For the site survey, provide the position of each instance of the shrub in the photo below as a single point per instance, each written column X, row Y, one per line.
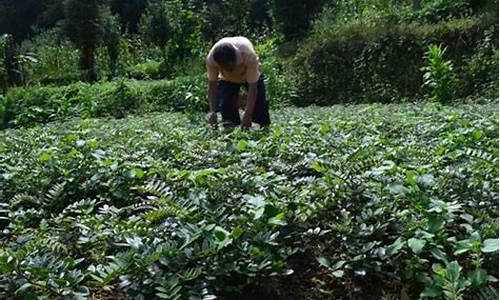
column 479, row 74
column 280, row 89
column 26, row 106
column 175, row 27
column 147, row 70
column 377, row 62
column 439, row 77
column 3, row 69
column 55, row 59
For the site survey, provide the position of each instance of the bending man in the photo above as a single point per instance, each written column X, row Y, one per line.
column 232, row 63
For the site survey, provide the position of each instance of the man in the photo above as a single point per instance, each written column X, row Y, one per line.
column 232, row 63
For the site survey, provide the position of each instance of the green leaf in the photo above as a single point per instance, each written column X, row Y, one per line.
column 44, row 157
column 278, row 220
column 139, row 173
column 222, row 237
column 338, row 273
column 397, row 189
column 237, row 232
column 478, row 277
column 435, row 223
column 462, row 247
column 453, row 271
column 242, row 145
column 439, row 254
column 416, row 245
column 323, row 261
column 318, row 167
column 72, row 153
column 490, row 245
column 410, row 178
column 220, row 233
column 339, row 264
column 425, row 180
column 477, row 134
column 430, row 292
column 395, row 247
column 23, row 288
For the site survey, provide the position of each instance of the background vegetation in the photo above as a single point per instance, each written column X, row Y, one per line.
column 109, row 191
column 314, row 52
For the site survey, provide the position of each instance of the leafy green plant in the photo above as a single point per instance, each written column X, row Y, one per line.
column 3, row 69
column 160, row 206
column 439, row 76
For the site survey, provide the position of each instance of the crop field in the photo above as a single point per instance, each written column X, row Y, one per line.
column 345, row 202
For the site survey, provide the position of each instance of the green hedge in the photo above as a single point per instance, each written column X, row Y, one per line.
column 363, row 62
column 25, row 106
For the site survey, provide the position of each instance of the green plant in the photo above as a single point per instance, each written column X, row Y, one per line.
column 378, row 62
column 3, row 69
column 82, row 27
column 161, row 205
column 439, row 76
column 478, row 74
column 147, row 70
column 175, row 27
column 55, row 59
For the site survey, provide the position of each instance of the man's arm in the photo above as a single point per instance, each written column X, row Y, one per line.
column 251, row 99
column 252, row 76
column 212, row 95
column 212, row 72
column 212, row 102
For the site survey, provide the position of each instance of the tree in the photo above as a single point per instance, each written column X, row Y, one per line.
column 175, row 27
column 17, row 17
column 226, row 18
column 82, row 27
column 293, row 17
column 259, row 14
column 155, row 24
column 111, row 37
column 416, row 4
column 130, row 12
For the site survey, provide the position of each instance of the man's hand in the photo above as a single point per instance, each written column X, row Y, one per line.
column 247, row 122
column 213, row 119
column 250, row 105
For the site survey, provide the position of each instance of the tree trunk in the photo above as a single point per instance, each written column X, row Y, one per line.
column 87, row 62
column 14, row 75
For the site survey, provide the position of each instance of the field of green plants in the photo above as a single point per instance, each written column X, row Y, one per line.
column 345, row 202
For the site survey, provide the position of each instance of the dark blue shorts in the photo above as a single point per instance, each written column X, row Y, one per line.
column 229, row 102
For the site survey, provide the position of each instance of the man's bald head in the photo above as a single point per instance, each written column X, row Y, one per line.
column 225, row 54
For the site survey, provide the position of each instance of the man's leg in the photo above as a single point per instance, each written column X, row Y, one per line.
column 228, row 102
column 261, row 110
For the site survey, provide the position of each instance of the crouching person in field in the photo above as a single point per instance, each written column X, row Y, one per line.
column 232, row 63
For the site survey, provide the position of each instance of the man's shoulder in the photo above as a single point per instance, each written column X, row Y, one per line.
column 243, row 41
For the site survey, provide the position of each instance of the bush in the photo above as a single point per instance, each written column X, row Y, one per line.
column 378, row 62
column 280, row 88
column 26, row 106
column 439, row 76
column 479, row 73
column 55, row 60
column 148, row 70
column 175, row 27
column 3, row 68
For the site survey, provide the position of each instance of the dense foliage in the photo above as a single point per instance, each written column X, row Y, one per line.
column 392, row 201
column 334, row 199
column 361, row 62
